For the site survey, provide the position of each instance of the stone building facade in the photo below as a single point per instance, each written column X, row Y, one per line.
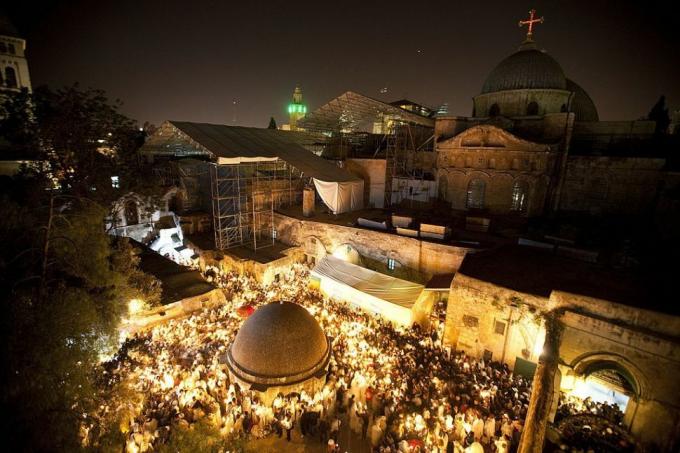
column 14, row 74
column 496, row 310
column 486, row 167
column 535, row 145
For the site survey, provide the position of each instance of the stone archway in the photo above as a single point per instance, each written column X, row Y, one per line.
column 633, row 380
column 314, row 249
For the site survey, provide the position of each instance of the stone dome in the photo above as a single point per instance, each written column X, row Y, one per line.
column 581, row 104
column 279, row 344
column 528, row 68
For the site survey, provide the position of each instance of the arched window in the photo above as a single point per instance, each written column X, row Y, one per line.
column 563, row 109
column 520, row 196
column 475, row 194
column 10, row 77
column 443, row 187
column 131, row 213
column 494, row 110
column 532, row 108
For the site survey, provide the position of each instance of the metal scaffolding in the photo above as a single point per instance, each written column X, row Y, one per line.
column 244, row 196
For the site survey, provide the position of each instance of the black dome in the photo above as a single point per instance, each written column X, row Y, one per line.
column 528, row 68
column 581, row 104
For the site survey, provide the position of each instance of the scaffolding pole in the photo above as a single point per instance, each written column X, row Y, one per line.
column 244, row 197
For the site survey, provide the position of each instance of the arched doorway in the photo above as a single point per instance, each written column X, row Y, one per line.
column 131, row 213
column 313, row 249
column 598, row 402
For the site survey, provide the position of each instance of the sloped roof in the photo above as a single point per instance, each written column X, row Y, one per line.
column 355, row 112
column 385, row 287
column 177, row 282
column 252, row 143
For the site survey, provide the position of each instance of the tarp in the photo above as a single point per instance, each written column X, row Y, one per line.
column 372, row 291
column 341, row 196
column 236, row 144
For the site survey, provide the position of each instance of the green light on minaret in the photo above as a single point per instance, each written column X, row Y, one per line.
column 297, row 108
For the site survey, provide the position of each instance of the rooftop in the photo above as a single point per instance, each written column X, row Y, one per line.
column 178, row 282
column 538, row 272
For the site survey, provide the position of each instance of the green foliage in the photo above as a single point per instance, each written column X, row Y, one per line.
column 80, row 136
column 64, row 282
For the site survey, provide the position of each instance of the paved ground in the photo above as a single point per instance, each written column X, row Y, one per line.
column 349, row 442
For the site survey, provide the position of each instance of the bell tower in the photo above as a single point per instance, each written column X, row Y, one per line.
column 296, row 109
column 13, row 64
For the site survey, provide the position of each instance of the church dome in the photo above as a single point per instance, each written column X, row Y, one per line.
column 581, row 104
column 279, row 344
column 528, row 68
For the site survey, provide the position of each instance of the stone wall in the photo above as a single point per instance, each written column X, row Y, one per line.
column 425, row 257
column 372, row 171
column 473, row 310
column 611, row 185
column 596, row 332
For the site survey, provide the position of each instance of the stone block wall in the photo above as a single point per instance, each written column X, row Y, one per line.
column 611, row 185
column 425, row 257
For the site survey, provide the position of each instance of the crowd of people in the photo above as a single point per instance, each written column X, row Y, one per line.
column 395, row 388
column 572, row 405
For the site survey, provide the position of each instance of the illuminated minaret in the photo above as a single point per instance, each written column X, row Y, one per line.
column 296, row 109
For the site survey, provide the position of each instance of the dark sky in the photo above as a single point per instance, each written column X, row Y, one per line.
column 189, row 60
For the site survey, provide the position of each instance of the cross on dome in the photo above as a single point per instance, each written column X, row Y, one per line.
column 530, row 24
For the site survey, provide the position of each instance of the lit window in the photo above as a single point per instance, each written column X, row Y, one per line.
column 274, row 233
column 391, row 263
column 115, row 182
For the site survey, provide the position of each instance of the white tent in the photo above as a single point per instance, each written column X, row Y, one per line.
column 341, row 196
column 372, row 291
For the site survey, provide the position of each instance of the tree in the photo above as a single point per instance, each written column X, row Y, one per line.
column 272, row 123
column 64, row 282
column 659, row 113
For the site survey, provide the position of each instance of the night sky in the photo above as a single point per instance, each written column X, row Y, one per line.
column 189, row 60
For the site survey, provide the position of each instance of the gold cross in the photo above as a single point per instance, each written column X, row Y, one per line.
column 530, row 23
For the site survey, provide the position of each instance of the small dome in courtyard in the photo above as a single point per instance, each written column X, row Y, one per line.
column 279, row 344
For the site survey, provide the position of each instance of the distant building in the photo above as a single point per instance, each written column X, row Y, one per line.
column 14, row 73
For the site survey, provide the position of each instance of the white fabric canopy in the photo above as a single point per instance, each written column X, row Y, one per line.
column 242, row 159
column 372, row 291
column 341, row 196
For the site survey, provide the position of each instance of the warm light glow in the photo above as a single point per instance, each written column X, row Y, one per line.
column 135, row 306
